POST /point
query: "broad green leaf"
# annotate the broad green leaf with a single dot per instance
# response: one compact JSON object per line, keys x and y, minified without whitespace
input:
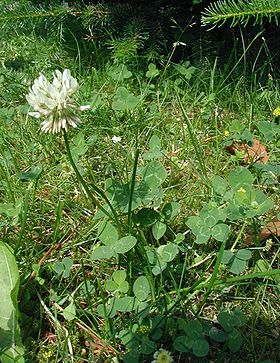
{"x":247,"y":136}
{"x":11,"y":209}
{"x":185,"y":70}
{"x":107,"y":233}
{"x":154,"y":149}
{"x":194,"y":329}
{"x":220,"y":232}
{"x":78,"y":145}
{"x":234,"y":340}
{"x":236,"y":126}
{"x":124,"y":244}
{"x":269,"y":129}
{"x":119,"y":194}
{"x":119,"y":276}
{"x":126,"y":336}
{"x":108,"y":310}
{"x":147,"y":346}
{"x":200,"y":348}
{"x":219,"y":185}
{"x":171,"y":210}
{"x":240,"y":177}
{"x":141,"y":288}
{"x":131,"y":357}
{"x":123,"y":287}
{"x":242,"y":196}
{"x":238,"y":266}
{"x":217,"y":335}
{"x":124,"y":100}
{"x":210,"y":215}
{"x":259,"y":207}
{"x":95,"y":102}
{"x":243,"y":254}
{"x":101,"y":252}
{"x":111,"y":285}
{"x":226,"y":321}
{"x":146,"y":217}
{"x":69,"y":313}
{"x":179,"y":238}
{"x":154,"y":174}
{"x":64,"y":267}
{"x":156,"y":197}
{"x":152,"y":71}
{"x":239,"y":318}
{"x":7,"y":113}
{"x":118,"y":283}
{"x":125,"y":304}
{"x":119,"y":73}
{"x":11,"y":349}
{"x":262,"y":265}
{"x":209,"y":220}
{"x":194,"y":223}
{"x":158,"y":229}
{"x":227,"y":257}
{"x":57,"y":267}
{"x":270,"y":168}
{"x":168,"y":252}
{"x":32,"y":174}
{"x":151,"y":255}
{"x":234,"y":212}
{"x":159,"y":267}
{"x":182,"y":325}
{"x":67,"y":263}
{"x":155,"y":143}
{"x":203,"y":235}
{"x":183,"y":344}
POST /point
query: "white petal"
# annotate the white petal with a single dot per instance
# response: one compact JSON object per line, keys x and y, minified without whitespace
{"x":83,"y":108}
{"x":116,"y":139}
{"x":35,"y":114}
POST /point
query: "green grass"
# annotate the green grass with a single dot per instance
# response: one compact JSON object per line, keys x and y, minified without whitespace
{"x":60,"y":306}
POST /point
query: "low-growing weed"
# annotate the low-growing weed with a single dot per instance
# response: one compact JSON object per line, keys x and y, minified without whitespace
{"x":131,"y":242}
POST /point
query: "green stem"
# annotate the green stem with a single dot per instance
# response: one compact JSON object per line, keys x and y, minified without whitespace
{"x":200,"y":284}
{"x":195,"y":144}
{"x":238,"y":237}
{"x":92,"y":198}
{"x":131,"y":191}
{"x":213,"y":277}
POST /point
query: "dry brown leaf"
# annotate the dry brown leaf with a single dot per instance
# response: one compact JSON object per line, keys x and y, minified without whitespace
{"x":271,"y":228}
{"x":253,"y":154}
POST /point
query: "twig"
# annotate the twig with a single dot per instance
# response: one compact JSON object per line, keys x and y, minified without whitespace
{"x":33,"y":274}
{"x":86,"y":330}
{"x":59,"y":326}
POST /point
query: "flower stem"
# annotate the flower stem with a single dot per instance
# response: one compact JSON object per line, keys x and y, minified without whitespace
{"x":92,"y":198}
{"x":132,"y":186}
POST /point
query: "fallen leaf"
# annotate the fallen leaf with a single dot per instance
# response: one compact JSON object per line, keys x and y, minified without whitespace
{"x":252,"y":154}
{"x":49,"y":337}
{"x":271,"y":228}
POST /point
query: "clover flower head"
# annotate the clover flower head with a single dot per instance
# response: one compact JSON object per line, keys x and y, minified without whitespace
{"x":276,"y":112}
{"x":116,"y":139}
{"x":162,"y":356}
{"x":53,"y":101}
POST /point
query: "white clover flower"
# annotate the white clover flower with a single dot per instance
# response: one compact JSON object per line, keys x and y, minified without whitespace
{"x":162,"y":356}
{"x":116,"y":139}
{"x":53,"y":101}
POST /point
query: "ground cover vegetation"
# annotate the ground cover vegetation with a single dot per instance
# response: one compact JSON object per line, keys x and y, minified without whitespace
{"x":139,"y":163}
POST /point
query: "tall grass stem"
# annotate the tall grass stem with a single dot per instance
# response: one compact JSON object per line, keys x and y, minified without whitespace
{"x":92,"y":198}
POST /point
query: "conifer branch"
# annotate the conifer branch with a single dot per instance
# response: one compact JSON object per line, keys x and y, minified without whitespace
{"x":240,"y":12}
